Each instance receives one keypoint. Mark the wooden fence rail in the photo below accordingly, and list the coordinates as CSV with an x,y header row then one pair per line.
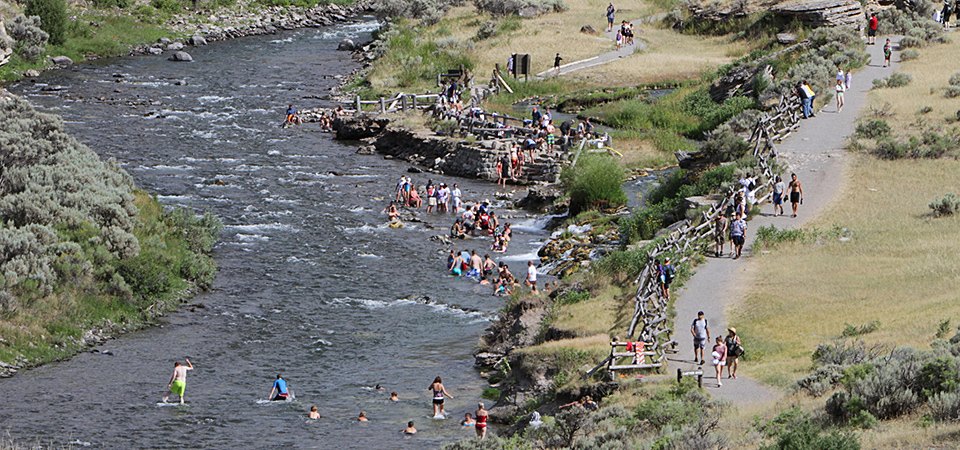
x,y
649,323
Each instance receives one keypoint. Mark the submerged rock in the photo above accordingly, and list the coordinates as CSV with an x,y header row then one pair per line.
x,y
197,40
61,60
347,45
181,56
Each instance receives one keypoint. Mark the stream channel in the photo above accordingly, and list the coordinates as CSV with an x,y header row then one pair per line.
x,y
312,283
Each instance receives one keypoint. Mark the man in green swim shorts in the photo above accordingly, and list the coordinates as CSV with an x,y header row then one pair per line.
x,y
178,381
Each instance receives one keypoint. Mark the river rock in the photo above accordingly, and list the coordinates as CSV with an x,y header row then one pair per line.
x,y
539,198
347,45
786,38
181,56
176,46
31,73
155,51
197,40
164,41
61,60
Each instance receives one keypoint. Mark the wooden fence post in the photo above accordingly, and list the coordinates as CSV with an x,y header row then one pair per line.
x,y
403,103
358,106
383,105
414,97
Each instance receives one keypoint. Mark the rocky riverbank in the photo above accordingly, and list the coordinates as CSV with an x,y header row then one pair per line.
x,y
248,21
438,154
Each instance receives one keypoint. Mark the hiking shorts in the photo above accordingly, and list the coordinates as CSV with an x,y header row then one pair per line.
x,y
699,343
178,387
737,240
871,33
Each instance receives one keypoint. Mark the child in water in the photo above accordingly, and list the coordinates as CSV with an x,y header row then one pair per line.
x,y
394,397
314,414
362,417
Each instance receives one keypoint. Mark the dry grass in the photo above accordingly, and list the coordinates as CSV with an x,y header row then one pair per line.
x,y
670,56
899,268
598,315
598,345
930,72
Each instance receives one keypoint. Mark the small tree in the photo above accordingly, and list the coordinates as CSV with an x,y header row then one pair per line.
x,y
596,182
53,18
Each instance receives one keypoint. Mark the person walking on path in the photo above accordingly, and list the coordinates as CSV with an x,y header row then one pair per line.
x,y
778,189
738,233
719,358
701,334
556,62
720,224
178,381
668,272
811,96
796,193
611,16
847,79
734,351
840,90
887,52
873,24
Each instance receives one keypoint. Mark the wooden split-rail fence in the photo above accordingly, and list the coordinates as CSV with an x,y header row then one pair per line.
x,y
650,323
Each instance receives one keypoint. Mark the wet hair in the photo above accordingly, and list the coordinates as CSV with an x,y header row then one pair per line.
x,y
437,379
467,416
362,414
410,423
394,394
176,364
313,408
278,376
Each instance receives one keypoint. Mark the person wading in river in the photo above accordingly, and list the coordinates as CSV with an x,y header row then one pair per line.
x,y
439,392
280,389
178,381
481,423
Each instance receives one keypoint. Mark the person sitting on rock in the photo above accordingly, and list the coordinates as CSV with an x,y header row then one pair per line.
x,y
293,116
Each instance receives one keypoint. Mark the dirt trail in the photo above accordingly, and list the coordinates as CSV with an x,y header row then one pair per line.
x,y
816,154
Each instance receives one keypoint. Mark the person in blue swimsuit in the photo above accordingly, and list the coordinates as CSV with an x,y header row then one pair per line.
x,y
279,391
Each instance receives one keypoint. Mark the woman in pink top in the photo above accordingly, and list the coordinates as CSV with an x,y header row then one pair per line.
x,y
719,358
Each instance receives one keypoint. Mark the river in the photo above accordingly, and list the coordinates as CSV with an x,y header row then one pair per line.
x,y
312,283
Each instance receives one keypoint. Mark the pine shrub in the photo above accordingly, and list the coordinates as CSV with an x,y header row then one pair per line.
x,y
53,18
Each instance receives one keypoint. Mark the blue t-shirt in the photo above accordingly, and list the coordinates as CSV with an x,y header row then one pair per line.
x,y
280,385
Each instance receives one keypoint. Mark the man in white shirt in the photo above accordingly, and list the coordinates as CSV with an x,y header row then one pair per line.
x,y
532,277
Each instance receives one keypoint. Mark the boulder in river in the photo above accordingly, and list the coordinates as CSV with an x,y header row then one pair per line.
x,y
181,56
347,45
197,40
176,46
61,60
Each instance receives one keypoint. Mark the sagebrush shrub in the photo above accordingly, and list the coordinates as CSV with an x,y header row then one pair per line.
x,y
945,406
822,379
909,54
487,30
30,40
873,129
947,205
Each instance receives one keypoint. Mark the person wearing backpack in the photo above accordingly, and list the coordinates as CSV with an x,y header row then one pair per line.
x,y
668,272
701,334
734,351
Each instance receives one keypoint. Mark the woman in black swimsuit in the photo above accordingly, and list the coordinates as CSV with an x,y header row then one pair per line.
x,y
439,392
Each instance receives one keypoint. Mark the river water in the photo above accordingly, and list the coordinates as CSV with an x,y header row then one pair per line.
x,y
311,283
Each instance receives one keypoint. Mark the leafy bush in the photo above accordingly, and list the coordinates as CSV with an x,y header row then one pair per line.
x,y
30,38
873,129
947,205
53,18
945,406
939,375
724,145
898,79
911,42
909,54
794,429
111,3
930,144
596,182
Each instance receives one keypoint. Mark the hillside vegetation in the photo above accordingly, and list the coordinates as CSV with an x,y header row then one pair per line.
x,y
80,247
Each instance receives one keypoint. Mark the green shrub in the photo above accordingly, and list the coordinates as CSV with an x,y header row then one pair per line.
x,y
168,6
939,375
873,129
724,145
572,296
947,205
111,3
53,18
596,182
853,330
487,30
513,7
899,79
909,54
794,429
911,42
951,92
491,393
822,379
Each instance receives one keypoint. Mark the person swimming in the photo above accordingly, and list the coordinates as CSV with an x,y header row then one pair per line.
x,y
394,397
362,417
410,429
280,388
468,420
314,414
